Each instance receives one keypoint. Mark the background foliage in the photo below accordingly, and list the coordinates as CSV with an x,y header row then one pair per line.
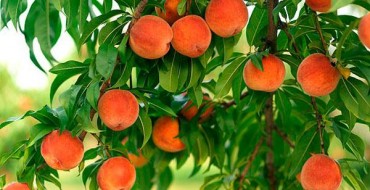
x,y
225,141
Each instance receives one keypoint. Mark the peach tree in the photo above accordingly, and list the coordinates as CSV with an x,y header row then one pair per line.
x,y
257,89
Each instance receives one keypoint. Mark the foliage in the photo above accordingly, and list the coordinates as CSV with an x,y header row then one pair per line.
x,y
226,140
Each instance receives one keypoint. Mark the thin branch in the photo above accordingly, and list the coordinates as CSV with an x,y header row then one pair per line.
x,y
320,125
188,6
106,150
284,27
231,103
136,16
284,136
318,29
249,163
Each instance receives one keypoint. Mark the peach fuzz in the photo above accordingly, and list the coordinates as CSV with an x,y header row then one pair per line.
x,y
226,18
116,173
138,160
150,37
320,172
165,134
118,109
363,30
62,151
191,36
170,13
319,5
190,110
16,186
317,76
268,80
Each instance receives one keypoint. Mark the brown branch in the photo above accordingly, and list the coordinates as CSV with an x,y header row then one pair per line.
x,y
284,136
136,16
271,42
320,125
318,29
231,103
249,163
188,6
106,150
284,27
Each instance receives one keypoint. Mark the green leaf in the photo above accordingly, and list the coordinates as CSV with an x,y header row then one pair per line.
x,y
355,145
342,131
344,38
224,83
93,93
13,7
228,48
196,95
44,115
90,171
257,22
165,179
338,4
84,120
70,66
194,73
71,11
181,7
94,23
283,105
355,97
169,70
37,132
145,124
110,30
91,153
106,60
307,144
15,150
160,106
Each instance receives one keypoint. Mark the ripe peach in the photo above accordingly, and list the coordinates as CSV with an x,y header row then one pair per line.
x,y
16,186
191,36
363,30
116,173
62,151
226,17
118,109
317,76
165,132
319,5
190,110
170,13
150,37
138,160
320,172
268,80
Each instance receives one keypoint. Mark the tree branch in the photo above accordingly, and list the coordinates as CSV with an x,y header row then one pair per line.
x,y
188,6
269,115
249,163
318,29
135,17
284,28
284,136
319,121
231,103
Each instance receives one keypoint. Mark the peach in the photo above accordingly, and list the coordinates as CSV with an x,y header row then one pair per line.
x,y
268,80
363,30
191,36
138,160
319,5
226,18
116,173
317,76
190,110
165,134
170,13
320,172
118,109
62,151
150,37
16,186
